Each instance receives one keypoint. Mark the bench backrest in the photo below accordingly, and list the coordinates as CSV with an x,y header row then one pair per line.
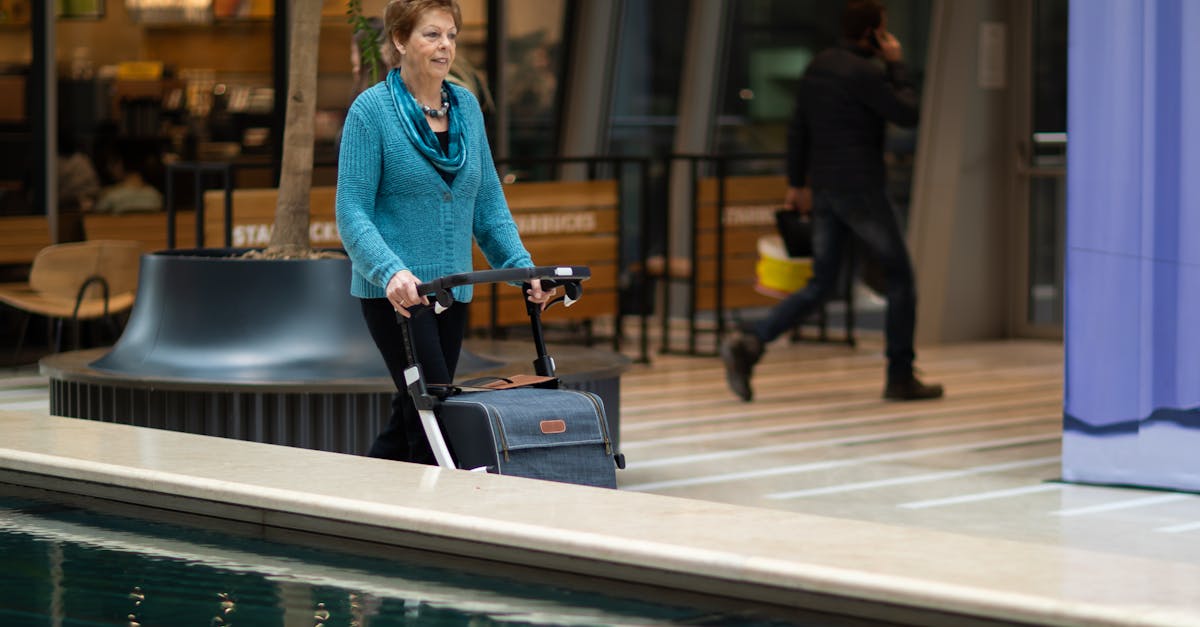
x,y
150,229
562,223
59,271
750,205
21,237
572,223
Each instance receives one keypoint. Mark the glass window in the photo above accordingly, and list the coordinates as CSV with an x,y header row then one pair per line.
x,y
1047,190
642,123
646,85
533,68
771,43
1050,66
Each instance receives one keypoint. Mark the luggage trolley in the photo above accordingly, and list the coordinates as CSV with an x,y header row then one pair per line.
x,y
523,426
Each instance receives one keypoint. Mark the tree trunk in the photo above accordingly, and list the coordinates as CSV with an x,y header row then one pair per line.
x,y
289,237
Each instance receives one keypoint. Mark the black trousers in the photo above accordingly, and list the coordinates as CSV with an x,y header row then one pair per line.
x,y
437,341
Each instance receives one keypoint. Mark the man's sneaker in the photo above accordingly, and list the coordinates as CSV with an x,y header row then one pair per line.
x,y
739,353
911,390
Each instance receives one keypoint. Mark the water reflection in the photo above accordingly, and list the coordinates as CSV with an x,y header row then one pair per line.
x,y
68,566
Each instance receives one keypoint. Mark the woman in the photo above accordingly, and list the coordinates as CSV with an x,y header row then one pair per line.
x,y
415,182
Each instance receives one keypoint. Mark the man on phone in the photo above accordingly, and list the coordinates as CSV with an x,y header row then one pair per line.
x,y
836,174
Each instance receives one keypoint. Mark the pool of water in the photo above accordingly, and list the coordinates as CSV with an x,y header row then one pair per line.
x,y
62,565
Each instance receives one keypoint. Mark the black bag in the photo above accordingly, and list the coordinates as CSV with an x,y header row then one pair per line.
x,y
796,231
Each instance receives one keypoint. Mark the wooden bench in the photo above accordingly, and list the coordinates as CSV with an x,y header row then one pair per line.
x,y
749,213
565,223
150,229
22,237
724,275
561,223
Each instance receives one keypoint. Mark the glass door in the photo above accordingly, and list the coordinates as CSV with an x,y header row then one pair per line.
x,y
1040,196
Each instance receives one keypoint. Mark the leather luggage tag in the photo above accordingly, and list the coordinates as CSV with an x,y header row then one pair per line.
x,y
553,426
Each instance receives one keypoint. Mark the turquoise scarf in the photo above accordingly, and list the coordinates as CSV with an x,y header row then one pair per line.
x,y
412,120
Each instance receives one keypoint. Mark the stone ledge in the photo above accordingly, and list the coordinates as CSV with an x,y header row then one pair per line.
x,y
867,569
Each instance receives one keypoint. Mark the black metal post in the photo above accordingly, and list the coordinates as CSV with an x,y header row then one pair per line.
x,y
171,206
665,277
720,211
41,71
494,66
644,253
694,282
227,176
281,36
199,199
618,165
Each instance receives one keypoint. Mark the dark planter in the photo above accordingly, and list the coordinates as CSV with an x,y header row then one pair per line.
x,y
206,315
266,350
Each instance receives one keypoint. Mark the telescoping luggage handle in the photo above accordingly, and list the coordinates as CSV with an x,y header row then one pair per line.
x,y
568,277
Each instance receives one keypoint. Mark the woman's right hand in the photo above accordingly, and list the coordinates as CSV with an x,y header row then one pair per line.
x,y
402,292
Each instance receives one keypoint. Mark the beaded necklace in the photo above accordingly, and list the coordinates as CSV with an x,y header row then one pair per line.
x,y
435,113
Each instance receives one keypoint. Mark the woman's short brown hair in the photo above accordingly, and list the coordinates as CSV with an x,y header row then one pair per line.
x,y
400,18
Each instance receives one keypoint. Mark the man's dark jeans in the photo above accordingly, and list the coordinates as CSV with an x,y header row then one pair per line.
x,y
870,216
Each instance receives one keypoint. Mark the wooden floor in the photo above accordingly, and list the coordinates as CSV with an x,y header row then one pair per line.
x,y
819,439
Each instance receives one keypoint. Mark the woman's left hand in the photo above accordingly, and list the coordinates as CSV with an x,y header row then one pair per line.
x,y
536,295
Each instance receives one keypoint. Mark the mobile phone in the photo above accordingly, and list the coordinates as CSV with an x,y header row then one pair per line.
x,y
873,39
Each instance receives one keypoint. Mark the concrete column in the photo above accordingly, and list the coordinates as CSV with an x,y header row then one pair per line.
x,y
698,96
959,224
589,88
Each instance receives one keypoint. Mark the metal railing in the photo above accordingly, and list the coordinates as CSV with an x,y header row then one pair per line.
x,y
224,173
635,288
721,167
595,168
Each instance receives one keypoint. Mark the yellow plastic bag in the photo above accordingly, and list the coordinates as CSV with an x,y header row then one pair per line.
x,y
779,275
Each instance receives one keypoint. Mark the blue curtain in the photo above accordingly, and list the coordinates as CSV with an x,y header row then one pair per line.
x,y
1132,397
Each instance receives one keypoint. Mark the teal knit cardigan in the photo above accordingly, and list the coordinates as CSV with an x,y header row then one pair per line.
x,y
395,212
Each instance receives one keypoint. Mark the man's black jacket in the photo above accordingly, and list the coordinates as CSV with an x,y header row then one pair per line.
x,y
835,140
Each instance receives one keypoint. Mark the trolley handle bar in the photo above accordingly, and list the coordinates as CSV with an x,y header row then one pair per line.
x,y
555,274
550,276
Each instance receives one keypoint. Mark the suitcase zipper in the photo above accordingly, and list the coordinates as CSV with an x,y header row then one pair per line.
x,y
499,429
603,421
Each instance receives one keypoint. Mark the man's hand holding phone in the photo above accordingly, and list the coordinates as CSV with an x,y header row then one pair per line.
x,y
888,46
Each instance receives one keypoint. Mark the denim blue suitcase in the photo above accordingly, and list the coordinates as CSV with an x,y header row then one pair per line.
x,y
557,435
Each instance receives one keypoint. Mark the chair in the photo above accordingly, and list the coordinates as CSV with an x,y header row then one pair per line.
x,y
78,281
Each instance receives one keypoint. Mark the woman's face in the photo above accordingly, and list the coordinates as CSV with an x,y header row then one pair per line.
x,y
429,50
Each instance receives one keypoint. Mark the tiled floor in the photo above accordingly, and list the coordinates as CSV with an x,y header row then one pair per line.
x,y
818,439
983,462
